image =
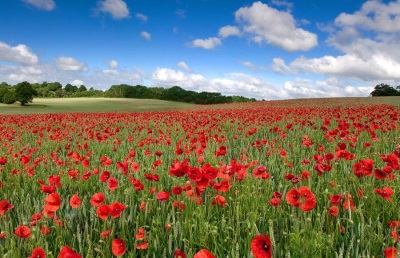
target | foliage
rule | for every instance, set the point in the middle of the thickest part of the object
(24, 92)
(9, 97)
(385, 90)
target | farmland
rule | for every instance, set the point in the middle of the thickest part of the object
(295, 178)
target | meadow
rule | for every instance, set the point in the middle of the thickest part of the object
(294, 178)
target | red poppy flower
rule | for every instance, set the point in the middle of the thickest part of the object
(5, 206)
(177, 190)
(103, 211)
(308, 205)
(142, 246)
(75, 201)
(220, 200)
(105, 233)
(112, 184)
(53, 202)
(105, 176)
(203, 253)
(67, 252)
(45, 230)
(261, 246)
(140, 234)
(116, 209)
(336, 199)
(179, 254)
(162, 196)
(97, 199)
(118, 247)
(385, 192)
(333, 211)
(293, 197)
(275, 202)
(38, 253)
(23, 232)
(390, 252)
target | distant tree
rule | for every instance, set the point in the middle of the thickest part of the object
(384, 90)
(70, 88)
(54, 86)
(4, 88)
(82, 88)
(24, 92)
(9, 97)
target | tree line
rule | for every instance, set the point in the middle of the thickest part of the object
(385, 90)
(24, 92)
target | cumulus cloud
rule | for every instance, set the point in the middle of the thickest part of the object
(209, 43)
(77, 83)
(17, 54)
(145, 35)
(141, 17)
(375, 16)
(46, 5)
(70, 64)
(265, 24)
(331, 87)
(116, 8)
(369, 40)
(170, 77)
(228, 31)
(184, 66)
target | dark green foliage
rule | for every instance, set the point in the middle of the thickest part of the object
(9, 97)
(24, 92)
(82, 88)
(70, 88)
(385, 90)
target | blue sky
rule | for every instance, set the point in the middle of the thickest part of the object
(274, 49)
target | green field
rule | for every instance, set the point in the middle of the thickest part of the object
(91, 105)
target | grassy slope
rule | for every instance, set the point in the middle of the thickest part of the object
(91, 105)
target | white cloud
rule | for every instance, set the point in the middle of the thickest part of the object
(113, 64)
(141, 17)
(374, 16)
(184, 66)
(145, 35)
(279, 66)
(248, 64)
(70, 64)
(77, 83)
(170, 77)
(268, 25)
(46, 5)
(369, 41)
(117, 8)
(331, 87)
(228, 31)
(209, 43)
(18, 54)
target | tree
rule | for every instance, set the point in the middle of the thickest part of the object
(70, 88)
(384, 90)
(82, 88)
(24, 92)
(54, 86)
(9, 97)
(4, 88)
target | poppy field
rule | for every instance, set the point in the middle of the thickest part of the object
(296, 178)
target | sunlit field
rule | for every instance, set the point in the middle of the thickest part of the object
(62, 105)
(297, 178)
